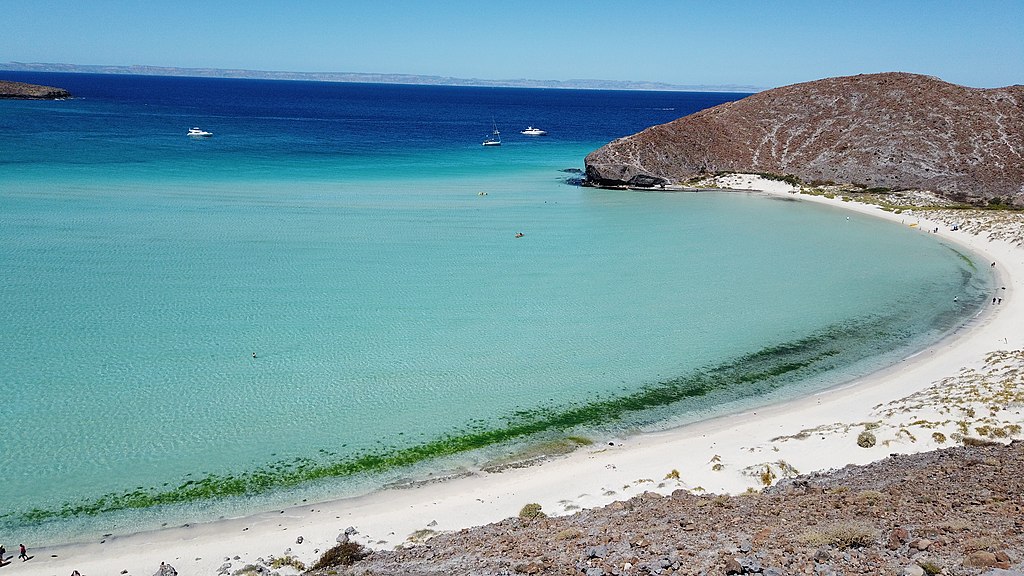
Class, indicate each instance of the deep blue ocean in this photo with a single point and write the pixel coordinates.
(297, 130)
(328, 294)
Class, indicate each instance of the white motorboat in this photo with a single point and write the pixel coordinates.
(531, 131)
(199, 132)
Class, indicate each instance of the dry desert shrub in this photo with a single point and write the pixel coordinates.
(767, 472)
(569, 534)
(870, 497)
(957, 525)
(841, 534)
(422, 535)
(531, 511)
(344, 554)
(929, 566)
(971, 441)
(981, 543)
(287, 560)
(866, 439)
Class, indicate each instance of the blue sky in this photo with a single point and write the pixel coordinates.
(976, 43)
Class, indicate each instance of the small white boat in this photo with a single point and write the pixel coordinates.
(531, 131)
(494, 139)
(199, 132)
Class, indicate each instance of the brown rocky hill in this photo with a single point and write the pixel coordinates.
(892, 130)
(958, 511)
(23, 91)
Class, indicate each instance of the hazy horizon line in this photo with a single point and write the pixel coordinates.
(372, 78)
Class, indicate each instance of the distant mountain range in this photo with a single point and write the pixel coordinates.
(583, 84)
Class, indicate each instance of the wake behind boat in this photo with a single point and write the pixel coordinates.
(531, 131)
(199, 132)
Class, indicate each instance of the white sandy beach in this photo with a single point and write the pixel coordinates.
(726, 454)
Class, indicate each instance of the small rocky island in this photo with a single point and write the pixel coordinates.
(893, 130)
(23, 91)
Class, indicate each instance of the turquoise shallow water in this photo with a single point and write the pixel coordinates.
(394, 315)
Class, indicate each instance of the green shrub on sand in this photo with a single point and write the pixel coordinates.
(344, 554)
(531, 511)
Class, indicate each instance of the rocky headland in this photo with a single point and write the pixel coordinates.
(894, 131)
(23, 91)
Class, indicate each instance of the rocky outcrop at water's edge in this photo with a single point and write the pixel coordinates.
(23, 91)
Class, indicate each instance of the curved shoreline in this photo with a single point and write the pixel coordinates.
(591, 476)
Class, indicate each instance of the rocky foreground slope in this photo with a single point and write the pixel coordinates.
(957, 511)
(23, 91)
(893, 130)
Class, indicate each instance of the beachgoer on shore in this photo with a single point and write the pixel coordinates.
(23, 553)
(3, 553)
(75, 573)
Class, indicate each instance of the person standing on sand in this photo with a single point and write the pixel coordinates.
(23, 554)
(3, 553)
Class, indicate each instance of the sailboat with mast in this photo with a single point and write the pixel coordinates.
(495, 138)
